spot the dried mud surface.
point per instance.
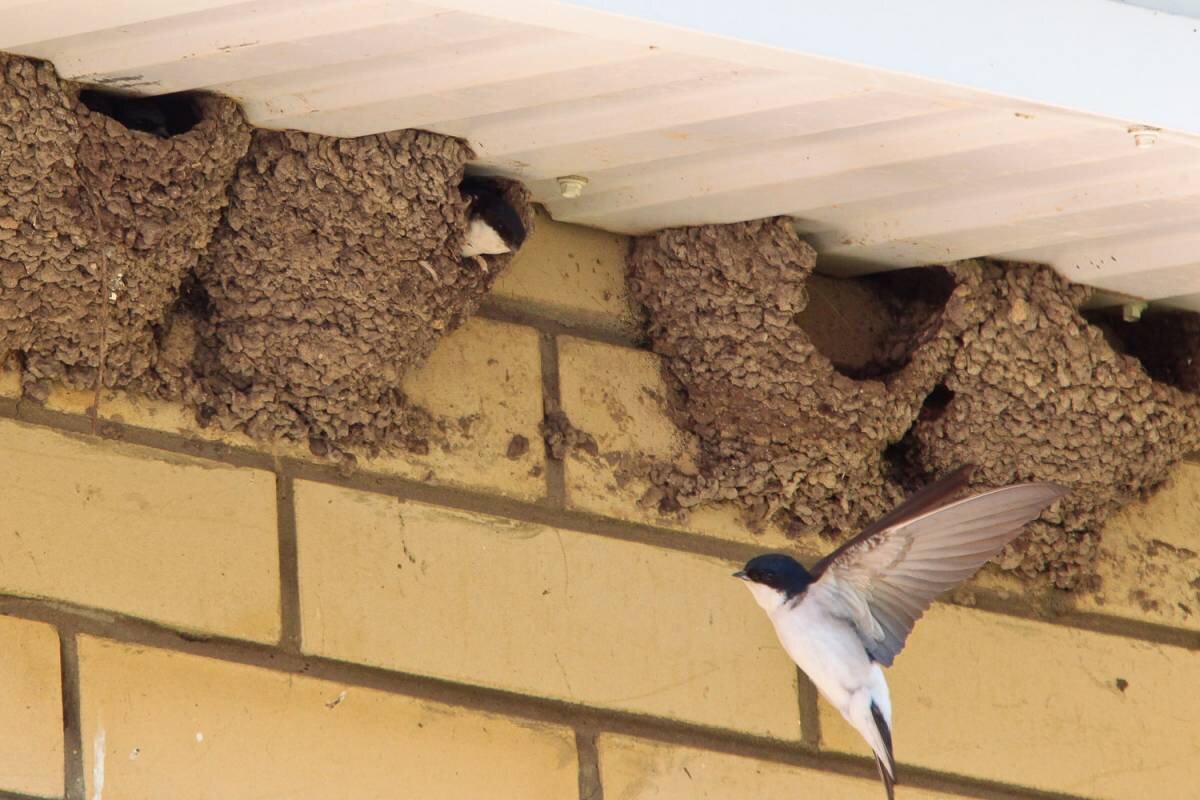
(998, 369)
(98, 226)
(562, 437)
(334, 271)
(782, 432)
(1036, 392)
(1164, 341)
(281, 283)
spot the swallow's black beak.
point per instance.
(741, 573)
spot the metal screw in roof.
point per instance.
(571, 186)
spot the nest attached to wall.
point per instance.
(99, 225)
(281, 283)
(996, 368)
(1036, 392)
(334, 272)
(782, 432)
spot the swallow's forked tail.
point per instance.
(887, 770)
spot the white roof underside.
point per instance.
(674, 127)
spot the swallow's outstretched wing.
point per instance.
(883, 579)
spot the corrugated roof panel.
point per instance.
(673, 127)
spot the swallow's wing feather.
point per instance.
(933, 496)
(884, 581)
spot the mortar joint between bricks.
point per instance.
(74, 783)
(556, 479)
(289, 563)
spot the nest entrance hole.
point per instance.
(1165, 342)
(868, 327)
(163, 115)
(936, 402)
(194, 298)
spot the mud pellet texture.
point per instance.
(49, 280)
(1035, 392)
(279, 283)
(159, 201)
(99, 225)
(334, 271)
(782, 432)
(1006, 375)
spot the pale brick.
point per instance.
(160, 724)
(183, 542)
(483, 382)
(533, 609)
(10, 383)
(572, 274)
(617, 395)
(638, 769)
(1149, 562)
(157, 415)
(31, 725)
(486, 379)
(1039, 705)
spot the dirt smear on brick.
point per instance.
(280, 283)
(981, 362)
(562, 437)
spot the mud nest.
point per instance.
(281, 283)
(1163, 340)
(99, 224)
(976, 362)
(334, 271)
(783, 432)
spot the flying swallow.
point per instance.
(850, 616)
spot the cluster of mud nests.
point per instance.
(818, 406)
(281, 283)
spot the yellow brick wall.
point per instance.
(188, 614)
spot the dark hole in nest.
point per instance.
(868, 327)
(194, 298)
(896, 465)
(1167, 343)
(164, 115)
(936, 402)
(897, 461)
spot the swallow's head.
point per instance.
(774, 579)
(493, 224)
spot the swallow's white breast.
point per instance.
(830, 653)
(482, 239)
